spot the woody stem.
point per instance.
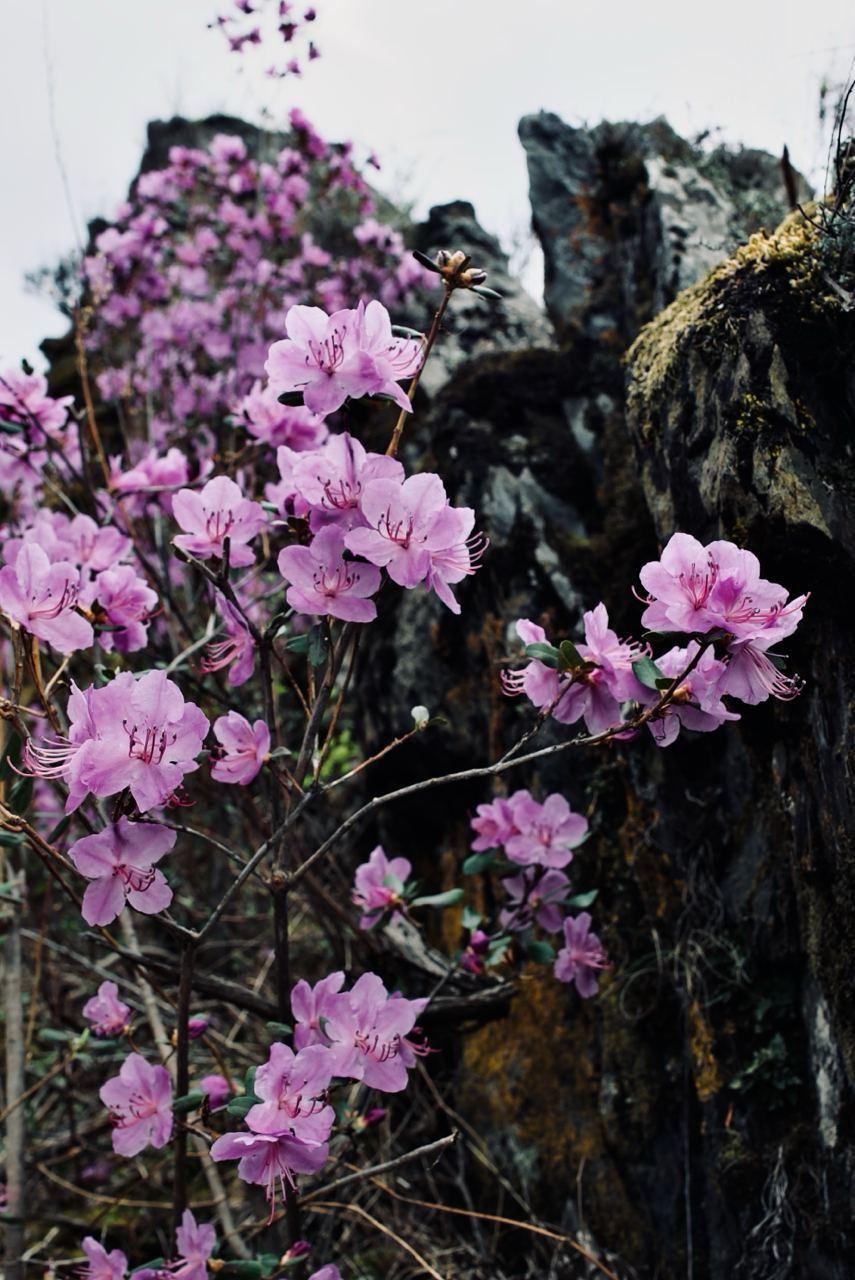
(433, 333)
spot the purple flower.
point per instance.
(136, 733)
(140, 1100)
(108, 1015)
(237, 652)
(394, 358)
(596, 695)
(697, 703)
(217, 512)
(546, 834)
(277, 424)
(541, 684)
(378, 886)
(216, 1089)
(697, 589)
(329, 1272)
(95, 547)
(415, 535)
(120, 863)
(321, 358)
(331, 480)
(195, 1243)
(535, 897)
(197, 1026)
(266, 1158)
(581, 956)
(244, 748)
(494, 825)
(312, 1006)
(127, 603)
(324, 583)
(41, 598)
(102, 1265)
(368, 1031)
(473, 957)
(292, 1088)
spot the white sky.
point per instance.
(436, 87)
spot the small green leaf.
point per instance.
(647, 672)
(470, 919)
(542, 952)
(52, 1036)
(154, 1265)
(446, 899)
(187, 1102)
(298, 644)
(317, 646)
(477, 862)
(570, 655)
(545, 653)
(279, 1029)
(425, 261)
(664, 682)
(292, 398)
(582, 900)
(240, 1106)
(484, 291)
(497, 950)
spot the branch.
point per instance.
(361, 1174)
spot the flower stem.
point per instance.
(433, 333)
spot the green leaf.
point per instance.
(52, 1036)
(477, 862)
(279, 1028)
(470, 919)
(187, 1102)
(425, 261)
(155, 1265)
(240, 1106)
(545, 653)
(497, 950)
(582, 900)
(571, 657)
(249, 1081)
(292, 398)
(60, 828)
(647, 672)
(664, 682)
(298, 644)
(542, 952)
(317, 646)
(446, 899)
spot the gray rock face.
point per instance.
(628, 215)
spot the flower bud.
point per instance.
(421, 716)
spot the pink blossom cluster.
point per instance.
(362, 1034)
(193, 280)
(715, 597)
(194, 1244)
(35, 428)
(65, 581)
(540, 838)
(379, 887)
(258, 24)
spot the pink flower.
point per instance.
(278, 424)
(494, 825)
(532, 897)
(415, 535)
(311, 1006)
(120, 863)
(136, 733)
(127, 602)
(541, 684)
(216, 1090)
(473, 957)
(24, 400)
(329, 1272)
(102, 1265)
(331, 480)
(368, 1030)
(152, 480)
(195, 1243)
(751, 676)
(697, 702)
(697, 589)
(292, 1088)
(197, 1026)
(596, 695)
(41, 598)
(95, 547)
(378, 886)
(581, 956)
(324, 583)
(245, 748)
(109, 1015)
(266, 1158)
(237, 652)
(217, 512)
(321, 358)
(394, 358)
(140, 1100)
(546, 834)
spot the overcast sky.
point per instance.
(435, 86)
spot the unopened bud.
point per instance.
(421, 716)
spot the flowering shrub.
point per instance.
(241, 539)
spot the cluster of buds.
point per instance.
(456, 271)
